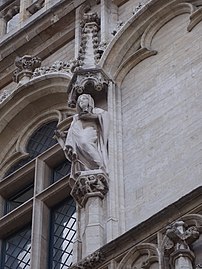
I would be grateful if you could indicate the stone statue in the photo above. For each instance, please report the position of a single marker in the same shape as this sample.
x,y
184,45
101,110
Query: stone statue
x,y
86,141
85,146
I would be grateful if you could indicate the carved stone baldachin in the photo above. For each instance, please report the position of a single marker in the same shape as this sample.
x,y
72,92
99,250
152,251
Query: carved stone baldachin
x,y
90,184
86,81
25,68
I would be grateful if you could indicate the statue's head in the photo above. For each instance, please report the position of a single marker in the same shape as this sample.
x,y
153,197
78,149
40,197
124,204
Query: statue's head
x,y
85,103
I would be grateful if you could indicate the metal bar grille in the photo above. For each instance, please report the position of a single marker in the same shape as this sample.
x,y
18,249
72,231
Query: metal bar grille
x,y
62,235
41,140
16,250
61,170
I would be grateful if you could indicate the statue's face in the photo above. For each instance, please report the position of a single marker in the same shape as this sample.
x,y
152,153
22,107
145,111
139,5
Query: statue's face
x,y
83,101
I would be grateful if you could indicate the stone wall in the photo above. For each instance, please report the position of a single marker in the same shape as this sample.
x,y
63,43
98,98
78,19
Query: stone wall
x,y
161,108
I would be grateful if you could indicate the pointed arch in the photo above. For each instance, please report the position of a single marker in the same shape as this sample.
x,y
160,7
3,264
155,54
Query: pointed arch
x,y
148,251
41,100
138,33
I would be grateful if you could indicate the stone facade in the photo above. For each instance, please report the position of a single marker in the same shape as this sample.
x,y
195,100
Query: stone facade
x,y
140,62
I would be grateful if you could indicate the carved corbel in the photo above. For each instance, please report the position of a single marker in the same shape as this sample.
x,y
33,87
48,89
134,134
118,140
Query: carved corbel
x,y
177,244
90,184
25,67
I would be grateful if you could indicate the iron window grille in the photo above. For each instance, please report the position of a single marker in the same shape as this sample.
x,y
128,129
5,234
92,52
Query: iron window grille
x,y
62,234
41,140
19,198
16,250
60,171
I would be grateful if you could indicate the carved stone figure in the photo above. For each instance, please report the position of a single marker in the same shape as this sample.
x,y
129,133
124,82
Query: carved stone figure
x,y
86,141
177,248
85,145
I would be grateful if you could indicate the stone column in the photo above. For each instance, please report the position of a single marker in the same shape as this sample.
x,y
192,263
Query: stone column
x,y
41,217
89,191
178,249
40,236
115,198
93,232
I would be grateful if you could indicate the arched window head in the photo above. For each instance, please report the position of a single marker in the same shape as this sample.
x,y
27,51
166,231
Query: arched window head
x,y
40,141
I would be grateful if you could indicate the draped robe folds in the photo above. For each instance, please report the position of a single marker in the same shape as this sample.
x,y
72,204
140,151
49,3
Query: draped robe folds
x,y
88,141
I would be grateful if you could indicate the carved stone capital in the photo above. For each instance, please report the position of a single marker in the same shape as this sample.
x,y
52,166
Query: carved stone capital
x,y
86,81
25,67
92,183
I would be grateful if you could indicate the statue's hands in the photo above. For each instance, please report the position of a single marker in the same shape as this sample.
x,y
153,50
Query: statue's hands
x,y
87,116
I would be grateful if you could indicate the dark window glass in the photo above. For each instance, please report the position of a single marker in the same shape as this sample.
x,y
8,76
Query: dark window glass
x,y
19,198
41,140
61,170
63,231
16,250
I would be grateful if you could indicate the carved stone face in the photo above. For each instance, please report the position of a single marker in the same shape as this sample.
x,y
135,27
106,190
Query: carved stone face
x,y
83,102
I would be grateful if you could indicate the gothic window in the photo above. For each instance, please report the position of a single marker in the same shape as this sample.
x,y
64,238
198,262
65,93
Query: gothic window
x,y
16,250
41,140
27,195
63,231
60,170
19,198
